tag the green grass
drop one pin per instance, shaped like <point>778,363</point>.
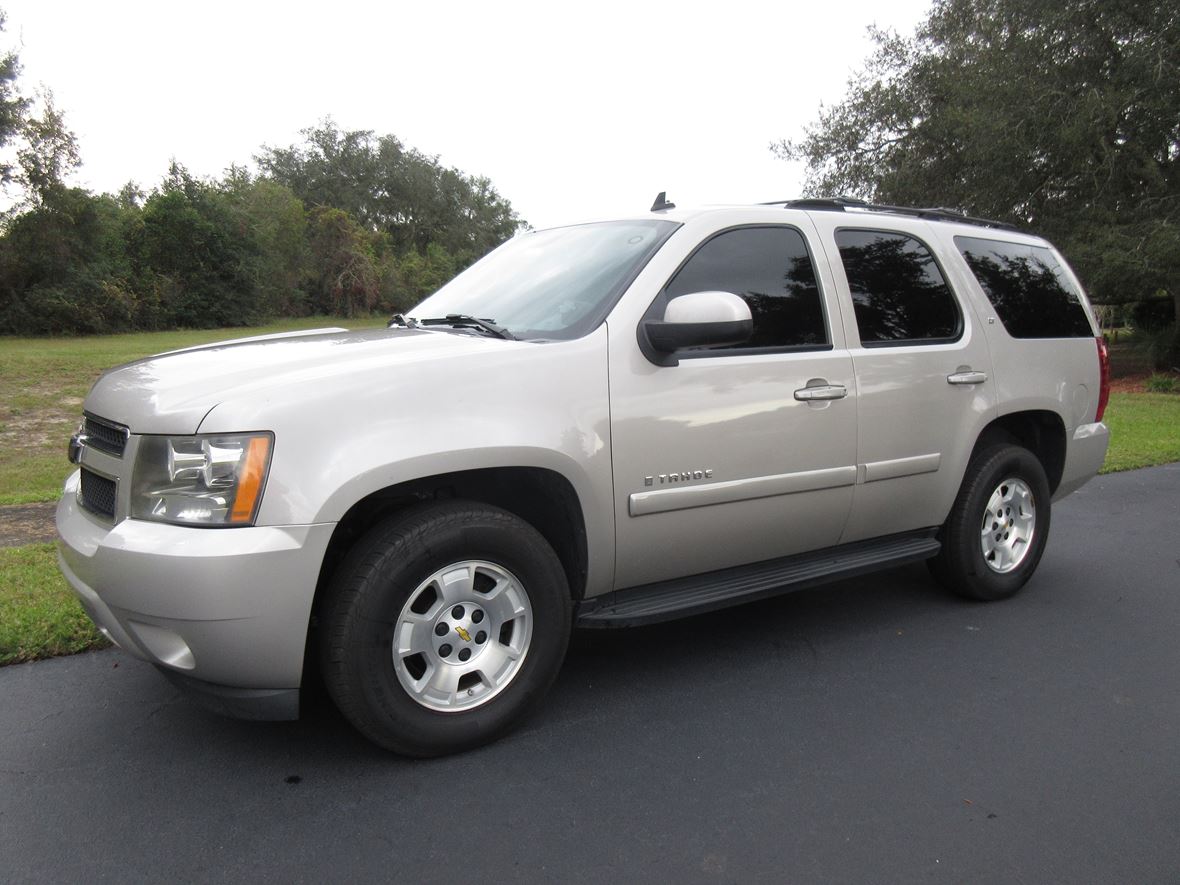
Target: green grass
<point>1144,430</point>
<point>44,380</point>
<point>39,615</point>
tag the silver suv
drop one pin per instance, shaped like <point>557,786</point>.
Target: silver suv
<point>597,425</point>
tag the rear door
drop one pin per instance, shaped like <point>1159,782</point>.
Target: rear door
<point>723,459</point>
<point>923,371</point>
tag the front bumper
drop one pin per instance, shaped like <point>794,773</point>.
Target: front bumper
<point>225,610</point>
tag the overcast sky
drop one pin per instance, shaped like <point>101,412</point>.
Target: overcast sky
<point>572,110</point>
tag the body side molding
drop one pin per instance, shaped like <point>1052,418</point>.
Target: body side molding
<point>898,467</point>
<point>684,497</point>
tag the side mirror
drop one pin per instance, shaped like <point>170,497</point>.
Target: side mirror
<point>701,319</point>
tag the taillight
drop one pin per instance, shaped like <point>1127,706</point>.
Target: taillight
<point>1104,373</point>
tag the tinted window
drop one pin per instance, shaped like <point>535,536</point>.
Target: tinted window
<point>771,269</point>
<point>1028,288</point>
<point>897,289</point>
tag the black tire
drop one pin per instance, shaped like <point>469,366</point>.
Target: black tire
<point>961,565</point>
<point>371,591</point>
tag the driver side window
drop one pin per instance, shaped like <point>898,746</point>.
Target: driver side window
<point>771,269</point>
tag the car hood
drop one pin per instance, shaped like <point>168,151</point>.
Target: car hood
<point>173,392</point>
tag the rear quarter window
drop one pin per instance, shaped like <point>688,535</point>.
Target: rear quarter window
<point>1029,289</point>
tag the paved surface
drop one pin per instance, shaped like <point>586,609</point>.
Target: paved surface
<point>871,731</point>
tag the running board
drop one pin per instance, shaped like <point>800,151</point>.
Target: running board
<point>665,600</point>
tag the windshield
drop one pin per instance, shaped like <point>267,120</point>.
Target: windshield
<point>556,283</point>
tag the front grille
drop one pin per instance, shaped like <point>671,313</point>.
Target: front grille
<point>98,494</point>
<point>105,436</point>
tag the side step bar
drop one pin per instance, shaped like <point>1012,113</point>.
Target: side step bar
<point>665,600</point>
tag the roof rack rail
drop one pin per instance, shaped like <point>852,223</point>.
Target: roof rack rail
<point>932,213</point>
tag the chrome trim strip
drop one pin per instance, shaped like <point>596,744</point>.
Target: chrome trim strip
<point>896,467</point>
<point>684,497</point>
<point>98,461</point>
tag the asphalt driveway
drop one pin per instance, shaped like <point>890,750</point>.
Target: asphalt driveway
<point>871,731</point>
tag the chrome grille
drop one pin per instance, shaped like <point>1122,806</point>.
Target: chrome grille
<point>106,436</point>
<point>97,494</point>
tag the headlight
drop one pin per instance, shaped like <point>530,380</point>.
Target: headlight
<point>200,480</point>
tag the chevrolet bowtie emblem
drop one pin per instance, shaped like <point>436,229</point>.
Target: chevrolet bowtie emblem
<point>463,634</point>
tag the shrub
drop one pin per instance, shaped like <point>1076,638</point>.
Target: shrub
<point>1163,383</point>
<point>1153,315</point>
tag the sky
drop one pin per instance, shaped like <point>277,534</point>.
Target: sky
<point>573,110</point>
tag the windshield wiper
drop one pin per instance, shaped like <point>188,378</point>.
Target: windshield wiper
<point>462,320</point>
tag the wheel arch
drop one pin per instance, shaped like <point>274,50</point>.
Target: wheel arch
<point>540,496</point>
<point>1041,431</point>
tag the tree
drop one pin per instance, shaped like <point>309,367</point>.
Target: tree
<point>61,262</point>
<point>190,239</point>
<point>12,105</point>
<point>1059,117</point>
<point>274,219</point>
<point>48,153</point>
<point>347,279</point>
<point>64,268</point>
<point>46,150</point>
<point>389,187</point>
<point>418,274</point>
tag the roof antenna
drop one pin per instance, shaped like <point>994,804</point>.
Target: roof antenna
<point>662,203</point>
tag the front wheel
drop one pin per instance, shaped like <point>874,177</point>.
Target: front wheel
<point>998,526</point>
<point>444,627</point>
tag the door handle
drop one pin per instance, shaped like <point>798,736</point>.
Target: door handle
<point>825,391</point>
<point>966,378</point>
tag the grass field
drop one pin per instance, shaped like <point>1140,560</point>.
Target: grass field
<point>43,382</point>
<point>39,616</point>
<point>1144,430</point>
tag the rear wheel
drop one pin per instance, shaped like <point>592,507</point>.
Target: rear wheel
<point>998,526</point>
<point>444,628</point>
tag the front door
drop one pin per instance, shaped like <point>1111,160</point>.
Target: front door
<point>740,454</point>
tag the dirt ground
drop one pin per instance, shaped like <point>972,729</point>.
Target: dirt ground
<point>26,524</point>
<point>1133,383</point>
